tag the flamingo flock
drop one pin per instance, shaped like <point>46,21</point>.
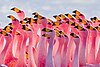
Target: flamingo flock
<point>67,41</point>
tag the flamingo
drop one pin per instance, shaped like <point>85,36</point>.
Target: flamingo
<point>8,41</point>
<point>31,60</point>
<point>9,58</point>
<point>64,51</point>
<point>79,14</point>
<point>75,60</point>
<point>58,53</point>
<point>42,52</point>
<point>91,55</point>
<point>19,12</point>
<point>49,59</point>
<point>21,60</point>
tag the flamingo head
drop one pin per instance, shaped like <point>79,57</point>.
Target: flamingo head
<point>12,17</point>
<point>96,19</point>
<point>25,28</point>
<point>8,29</point>
<point>57,18</point>
<point>17,33</point>
<point>74,35</point>
<point>80,28</point>
<point>69,16</point>
<point>22,22</point>
<point>62,17</point>
<point>98,28</point>
<point>76,12</point>
<point>35,13</point>
<point>69,22</point>
<point>90,28</point>
<point>46,30</point>
<point>16,10</point>
<point>3,32</point>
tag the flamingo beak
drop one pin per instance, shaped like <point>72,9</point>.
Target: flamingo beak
<point>8,16</point>
<point>96,27</point>
<point>34,13</point>
<point>59,15</point>
<point>66,15</point>
<point>74,15</point>
<point>80,20</point>
<point>74,11</point>
<point>13,9</point>
<point>55,16</point>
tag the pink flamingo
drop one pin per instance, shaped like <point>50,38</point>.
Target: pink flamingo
<point>83,38</point>
<point>49,59</point>
<point>19,42</point>
<point>8,41</point>
<point>19,12</point>
<point>31,60</point>
<point>9,59</point>
<point>75,60</point>
<point>21,59</point>
<point>57,57</point>
<point>42,51</point>
<point>79,14</point>
<point>64,51</point>
<point>91,55</point>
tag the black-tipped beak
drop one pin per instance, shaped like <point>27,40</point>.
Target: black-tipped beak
<point>60,15</point>
<point>25,19</point>
<point>12,8</point>
<point>72,34</point>
<point>94,18</point>
<point>23,27</point>
<point>80,20</point>
<point>11,28</point>
<point>6,35</point>
<point>60,32</point>
<point>8,16</point>
<point>59,36</point>
<point>73,15</point>
<point>10,32</point>
<point>55,16</point>
<point>91,19</point>
<point>73,24</point>
<point>88,27</point>
<point>74,11</point>
<point>20,21</point>
<point>27,22</point>
<point>35,16</point>
<point>53,24</point>
<point>44,29</point>
<point>76,37</point>
<point>34,13</point>
<point>35,19</point>
<point>43,18</point>
<point>29,30</point>
<point>66,14</point>
<point>76,27</point>
<point>10,24</point>
<point>67,22</point>
<point>1,32</point>
<point>96,27</point>
<point>65,35</point>
<point>83,29</point>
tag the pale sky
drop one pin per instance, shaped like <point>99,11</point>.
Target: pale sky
<point>48,8</point>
